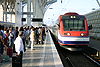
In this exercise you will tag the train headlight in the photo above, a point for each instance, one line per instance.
(68, 34)
(83, 34)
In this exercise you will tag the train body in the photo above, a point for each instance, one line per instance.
(73, 31)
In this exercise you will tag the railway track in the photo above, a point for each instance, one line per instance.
(75, 59)
(79, 60)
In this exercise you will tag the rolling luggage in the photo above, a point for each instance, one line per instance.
(9, 52)
(16, 61)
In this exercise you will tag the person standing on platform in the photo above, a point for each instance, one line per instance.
(2, 37)
(16, 33)
(1, 43)
(15, 36)
(21, 29)
(27, 36)
(11, 38)
(19, 47)
(32, 35)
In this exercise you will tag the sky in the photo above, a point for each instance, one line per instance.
(79, 6)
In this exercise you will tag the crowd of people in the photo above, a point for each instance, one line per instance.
(29, 35)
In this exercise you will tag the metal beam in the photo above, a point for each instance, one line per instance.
(98, 3)
(27, 13)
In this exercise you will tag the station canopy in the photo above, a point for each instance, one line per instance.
(10, 4)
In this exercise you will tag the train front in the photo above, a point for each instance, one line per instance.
(73, 31)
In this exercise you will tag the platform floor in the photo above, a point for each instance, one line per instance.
(44, 55)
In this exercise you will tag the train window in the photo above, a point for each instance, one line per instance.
(74, 25)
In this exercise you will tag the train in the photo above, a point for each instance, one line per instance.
(72, 31)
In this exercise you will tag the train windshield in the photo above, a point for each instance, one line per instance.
(74, 24)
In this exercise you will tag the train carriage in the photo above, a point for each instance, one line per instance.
(73, 31)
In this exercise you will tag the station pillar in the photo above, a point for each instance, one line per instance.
(18, 13)
(29, 13)
(37, 10)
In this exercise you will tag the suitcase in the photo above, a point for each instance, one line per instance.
(9, 52)
(16, 61)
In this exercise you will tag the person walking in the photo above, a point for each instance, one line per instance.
(32, 35)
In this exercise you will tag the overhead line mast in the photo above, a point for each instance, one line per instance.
(61, 1)
(98, 3)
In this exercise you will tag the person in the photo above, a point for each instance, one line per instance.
(19, 47)
(37, 35)
(27, 37)
(41, 35)
(21, 29)
(6, 40)
(2, 37)
(32, 39)
(16, 33)
(15, 36)
(11, 38)
(1, 43)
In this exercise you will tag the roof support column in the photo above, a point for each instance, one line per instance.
(29, 11)
(37, 10)
(18, 13)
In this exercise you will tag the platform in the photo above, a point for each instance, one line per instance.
(44, 55)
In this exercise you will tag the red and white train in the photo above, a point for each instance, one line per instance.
(73, 31)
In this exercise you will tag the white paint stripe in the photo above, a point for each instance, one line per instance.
(72, 38)
(57, 60)
(43, 55)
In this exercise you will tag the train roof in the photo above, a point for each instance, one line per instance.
(71, 13)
